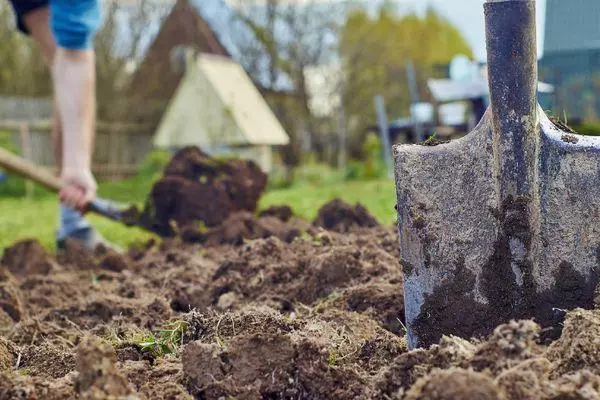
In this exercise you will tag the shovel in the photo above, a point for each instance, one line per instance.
(128, 216)
(504, 223)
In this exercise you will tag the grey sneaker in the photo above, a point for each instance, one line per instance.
(90, 239)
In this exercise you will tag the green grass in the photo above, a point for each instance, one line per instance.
(165, 341)
(37, 218)
(378, 196)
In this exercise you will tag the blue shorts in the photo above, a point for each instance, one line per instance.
(74, 23)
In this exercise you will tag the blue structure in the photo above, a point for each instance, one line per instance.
(571, 59)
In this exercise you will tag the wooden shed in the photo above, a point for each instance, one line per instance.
(218, 108)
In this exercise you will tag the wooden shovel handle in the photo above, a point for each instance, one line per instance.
(18, 165)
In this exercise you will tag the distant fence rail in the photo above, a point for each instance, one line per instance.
(119, 148)
(25, 108)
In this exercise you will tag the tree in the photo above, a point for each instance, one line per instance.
(287, 39)
(119, 46)
(375, 52)
(22, 68)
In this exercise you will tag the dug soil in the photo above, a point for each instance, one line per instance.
(316, 315)
(197, 189)
(262, 305)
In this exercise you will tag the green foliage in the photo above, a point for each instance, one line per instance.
(22, 70)
(373, 165)
(333, 358)
(376, 51)
(373, 157)
(154, 164)
(166, 341)
(354, 170)
(315, 174)
(587, 129)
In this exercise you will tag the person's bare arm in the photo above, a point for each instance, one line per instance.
(74, 86)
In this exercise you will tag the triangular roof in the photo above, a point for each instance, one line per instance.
(208, 26)
(217, 104)
(155, 77)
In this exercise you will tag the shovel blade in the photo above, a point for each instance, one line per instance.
(474, 258)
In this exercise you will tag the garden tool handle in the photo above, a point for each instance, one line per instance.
(18, 165)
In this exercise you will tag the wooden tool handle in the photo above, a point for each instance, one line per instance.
(13, 163)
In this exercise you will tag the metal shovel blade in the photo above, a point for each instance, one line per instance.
(504, 223)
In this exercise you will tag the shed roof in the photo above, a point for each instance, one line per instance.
(248, 119)
(238, 93)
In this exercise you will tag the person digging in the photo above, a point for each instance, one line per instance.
(63, 31)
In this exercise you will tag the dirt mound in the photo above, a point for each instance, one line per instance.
(242, 226)
(579, 347)
(27, 257)
(50, 361)
(197, 189)
(10, 300)
(316, 317)
(283, 213)
(7, 355)
(341, 217)
(259, 354)
(455, 384)
(325, 271)
(98, 378)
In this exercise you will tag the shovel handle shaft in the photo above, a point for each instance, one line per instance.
(18, 165)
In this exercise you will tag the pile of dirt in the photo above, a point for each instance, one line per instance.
(279, 222)
(258, 353)
(341, 217)
(242, 226)
(197, 189)
(267, 307)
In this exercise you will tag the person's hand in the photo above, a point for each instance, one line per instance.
(79, 188)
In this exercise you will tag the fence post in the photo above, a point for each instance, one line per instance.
(27, 153)
(384, 131)
(414, 99)
(113, 154)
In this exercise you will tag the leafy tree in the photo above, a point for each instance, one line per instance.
(288, 39)
(376, 51)
(22, 69)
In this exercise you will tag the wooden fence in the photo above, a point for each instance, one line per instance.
(119, 148)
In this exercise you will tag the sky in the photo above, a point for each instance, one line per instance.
(467, 15)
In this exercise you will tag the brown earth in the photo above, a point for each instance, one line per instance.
(318, 317)
(197, 189)
(341, 217)
(257, 307)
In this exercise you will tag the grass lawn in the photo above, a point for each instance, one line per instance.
(36, 218)
(378, 196)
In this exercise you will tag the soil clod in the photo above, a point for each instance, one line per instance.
(341, 217)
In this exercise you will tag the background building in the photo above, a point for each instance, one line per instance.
(571, 58)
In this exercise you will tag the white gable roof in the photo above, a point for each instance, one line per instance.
(217, 104)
